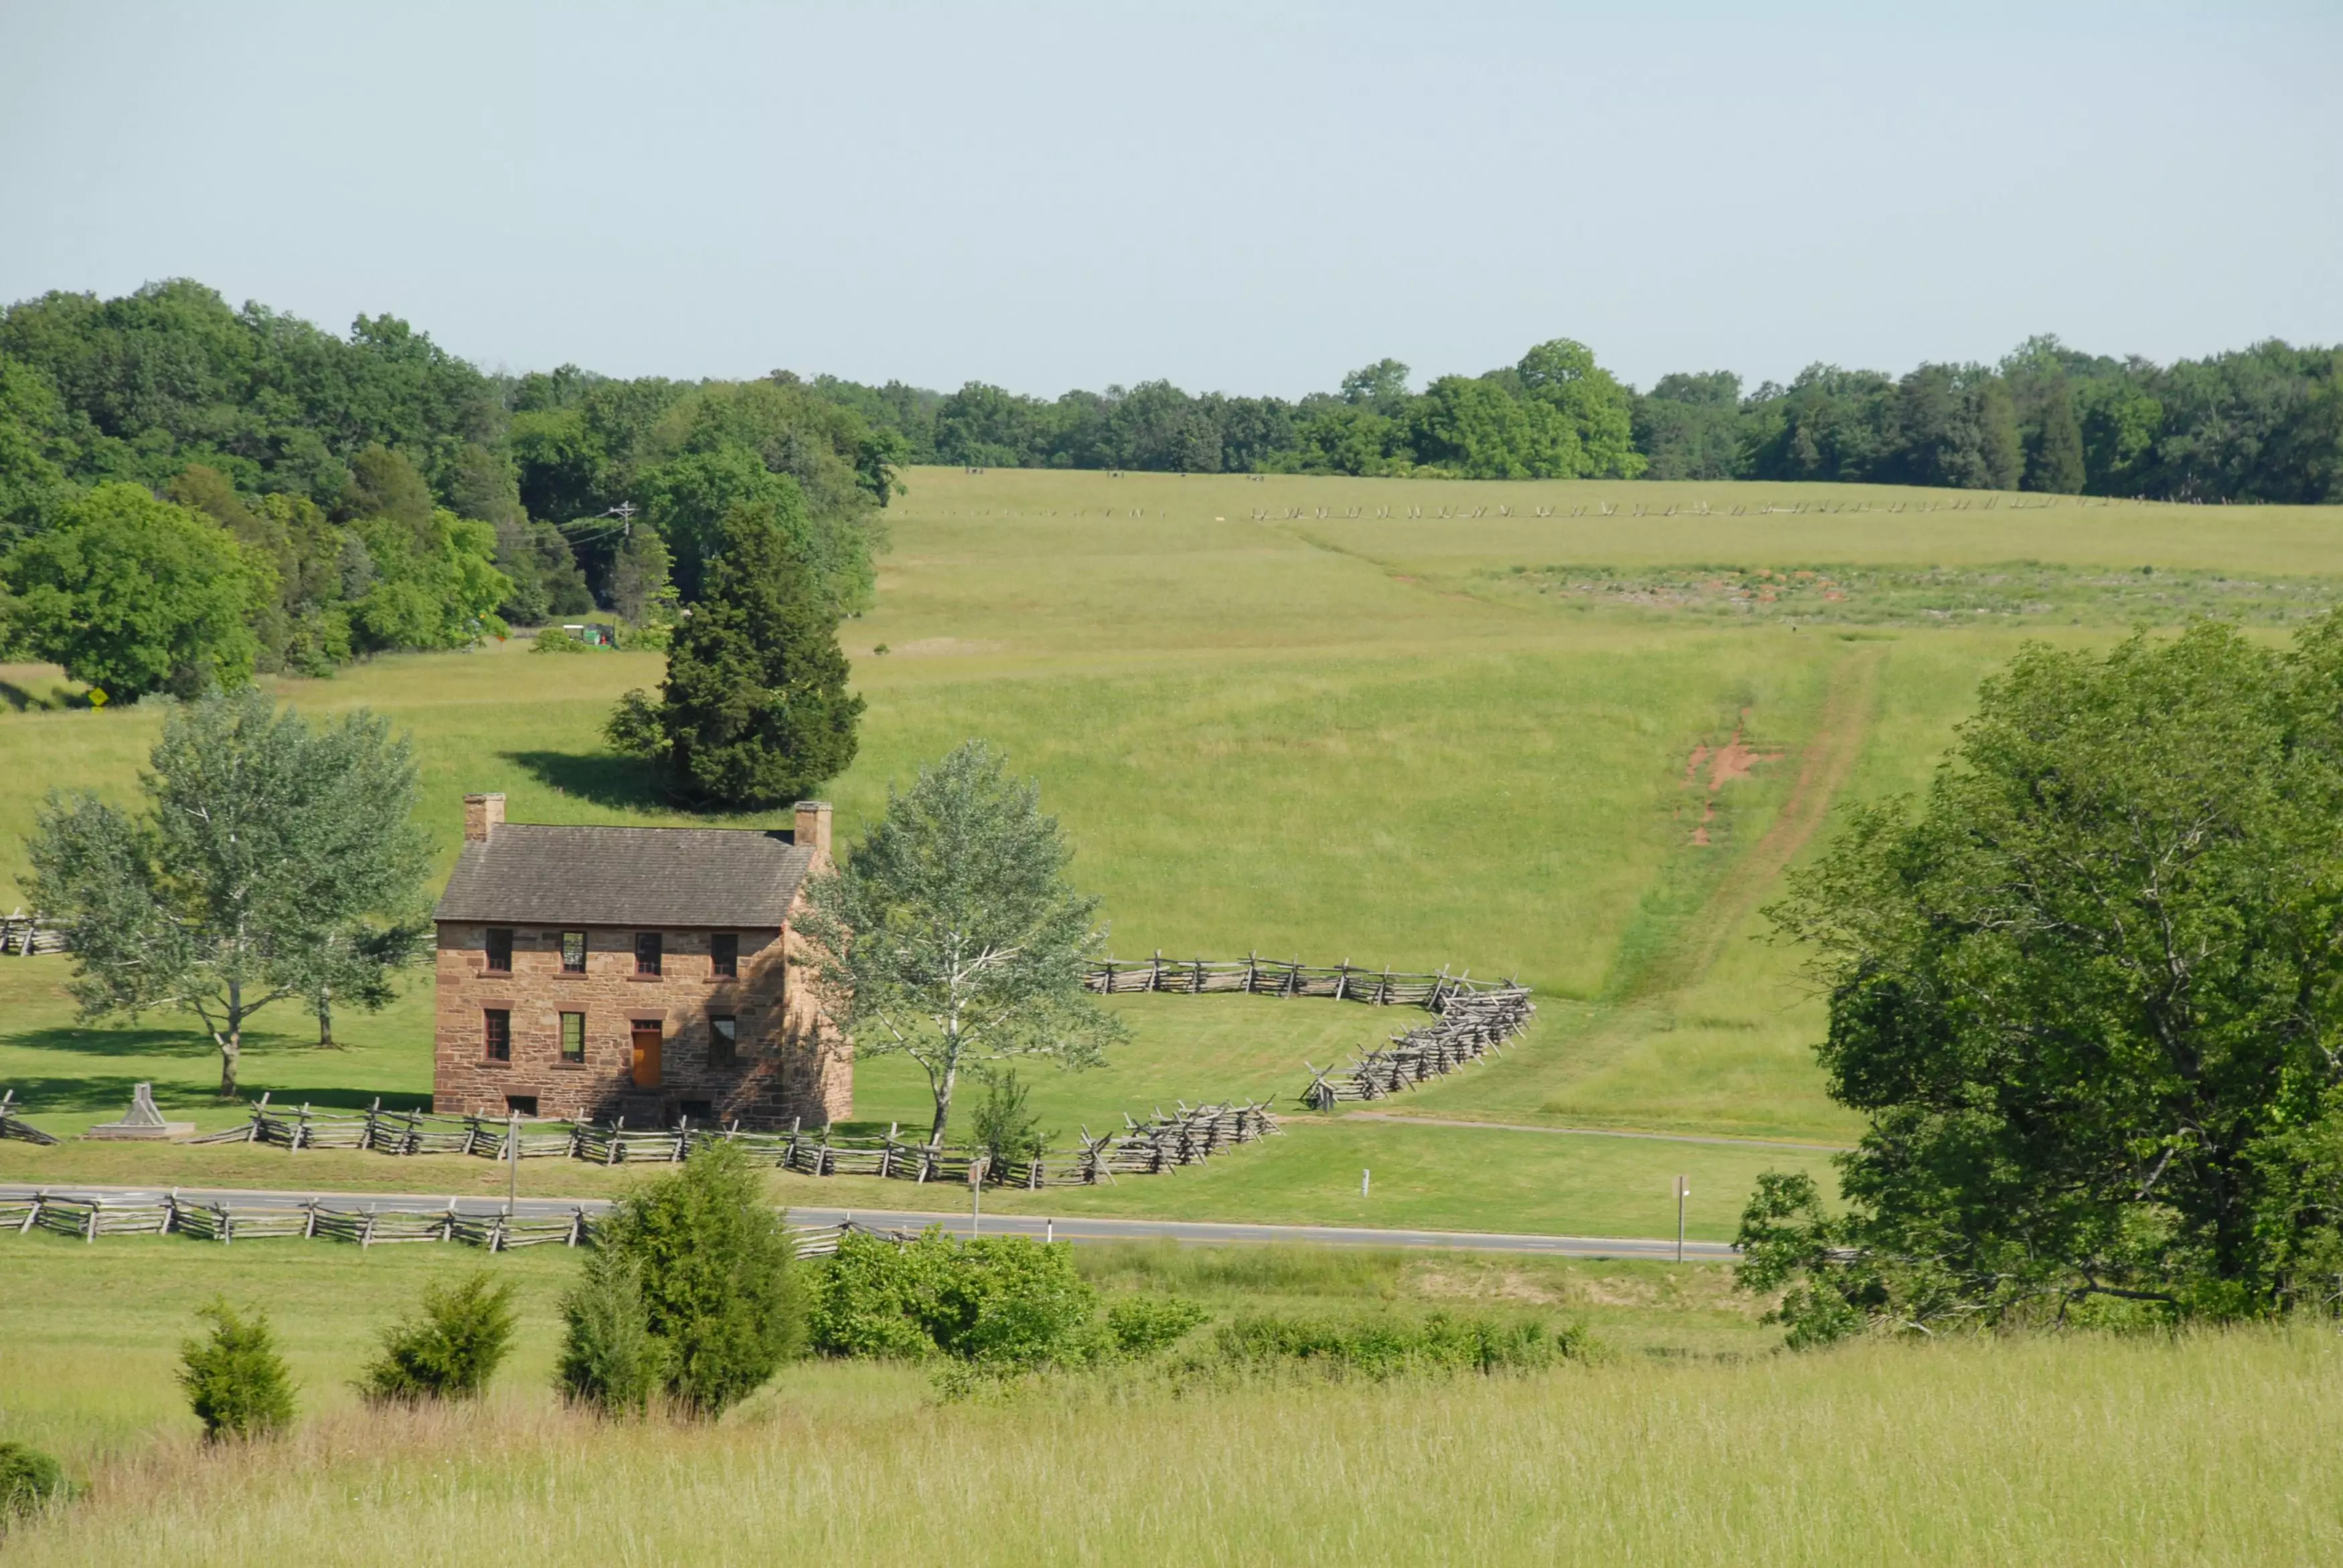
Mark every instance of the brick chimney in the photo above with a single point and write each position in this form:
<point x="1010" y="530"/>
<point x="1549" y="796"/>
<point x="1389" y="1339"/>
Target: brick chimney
<point x="813" y="827"/>
<point x="482" y="814"/>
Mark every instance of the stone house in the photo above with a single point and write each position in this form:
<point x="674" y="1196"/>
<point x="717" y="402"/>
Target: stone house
<point x="649" y="972"/>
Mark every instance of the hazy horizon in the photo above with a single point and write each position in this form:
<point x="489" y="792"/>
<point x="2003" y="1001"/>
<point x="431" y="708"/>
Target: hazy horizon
<point x="1049" y="196"/>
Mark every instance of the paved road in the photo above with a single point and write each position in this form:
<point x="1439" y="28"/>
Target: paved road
<point x="1068" y="1229"/>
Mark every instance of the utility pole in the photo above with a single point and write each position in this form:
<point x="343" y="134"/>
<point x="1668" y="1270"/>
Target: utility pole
<point x="1684" y="1191"/>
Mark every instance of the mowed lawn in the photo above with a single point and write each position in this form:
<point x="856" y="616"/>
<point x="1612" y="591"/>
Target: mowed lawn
<point x="1271" y="726"/>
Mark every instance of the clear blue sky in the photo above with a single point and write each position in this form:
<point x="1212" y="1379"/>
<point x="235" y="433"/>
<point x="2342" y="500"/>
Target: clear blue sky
<point x="1248" y="198"/>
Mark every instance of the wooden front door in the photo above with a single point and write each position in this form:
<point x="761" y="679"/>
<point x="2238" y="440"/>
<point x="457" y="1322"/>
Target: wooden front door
<point x="647" y="1041"/>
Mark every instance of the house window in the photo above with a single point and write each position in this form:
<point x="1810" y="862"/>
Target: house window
<point x="647" y="952"/>
<point x="573" y="1037"/>
<point x="698" y="1110"/>
<point x="500" y="951"/>
<point x="723" y="1039"/>
<point x="724" y="955"/>
<point x="497" y="1034"/>
<point x="573" y="953"/>
<point x="520" y="1104"/>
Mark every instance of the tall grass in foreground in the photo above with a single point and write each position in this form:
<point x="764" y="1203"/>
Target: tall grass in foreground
<point x="2215" y="1449"/>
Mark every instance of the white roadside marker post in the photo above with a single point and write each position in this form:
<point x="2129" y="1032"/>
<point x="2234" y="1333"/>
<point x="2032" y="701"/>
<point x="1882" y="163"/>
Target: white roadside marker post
<point x="1684" y="1191"/>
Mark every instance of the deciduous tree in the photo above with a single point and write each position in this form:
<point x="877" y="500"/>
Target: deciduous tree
<point x="951" y="935"/>
<point x="134" y="595"/>
<point x="2090" y="999"/>
<point x="273" y="860"/>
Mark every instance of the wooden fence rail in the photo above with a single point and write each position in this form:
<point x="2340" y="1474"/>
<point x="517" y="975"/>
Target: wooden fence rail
<point x="27" y="935"/>
<point x="368" y="1225"/>
<point x="15" y="1126"/>
<point x="1473" y="1017"/>
<point x="1469" y="1027"/>
<point x="1253" y="975"/>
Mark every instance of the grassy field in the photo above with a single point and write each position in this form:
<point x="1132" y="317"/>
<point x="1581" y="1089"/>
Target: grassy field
<point x="1684" y="1445"/>
<point x="1285" y="715"/>
<point x="1582" y="748"/>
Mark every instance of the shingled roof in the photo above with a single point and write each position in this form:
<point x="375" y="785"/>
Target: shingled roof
<point x="537" y="874"/>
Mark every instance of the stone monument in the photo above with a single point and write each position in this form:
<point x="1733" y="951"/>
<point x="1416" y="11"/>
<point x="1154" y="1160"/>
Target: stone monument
<point x="142" y="1121"/>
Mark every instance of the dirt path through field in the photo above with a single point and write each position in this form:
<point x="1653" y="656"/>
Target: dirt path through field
<point x="1824" y="764"/>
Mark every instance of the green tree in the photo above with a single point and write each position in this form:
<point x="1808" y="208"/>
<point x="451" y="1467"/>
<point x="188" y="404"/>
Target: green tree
<point x="1382" y="386"/>
<point x="1599" y="412"/>
<point x="237" y="1383"/>
<point x="755" y="709"/>
<point x="609" y="1358"/>
<point x="449" y="1348"/>
<point x="2087" y="998"/>
<point x="134" y="595"/>
<point x="1476" y="430"/>
<point x="2055" y="463"/>
<point x="951" y="936"/>
<point x="686" y="502"/>
<point x="435" y="585"/>
<point x="1006" y="1127"/>
<point x="718" y="1282"/>
<point x="384" y="485"/>
<point x="264" y="842"/>
<point x="33" y="452"/>
<point x="639" y="590"/>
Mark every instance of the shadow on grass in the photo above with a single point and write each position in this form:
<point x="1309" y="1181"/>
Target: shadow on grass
<point x="284" y="1066"/>
<point x="110" y="1093"/>
<point x="598" y="777"/>
<point x="178" y="1044"/>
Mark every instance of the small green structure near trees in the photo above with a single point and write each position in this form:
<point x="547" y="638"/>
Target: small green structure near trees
<point x="2090" y="996"/>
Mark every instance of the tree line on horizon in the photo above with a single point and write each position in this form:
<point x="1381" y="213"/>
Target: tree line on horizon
<point x="310" y="498"/>
<point x="2259" y="424"/>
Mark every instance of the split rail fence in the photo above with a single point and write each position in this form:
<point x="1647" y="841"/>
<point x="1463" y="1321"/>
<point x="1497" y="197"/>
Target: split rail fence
<point x="1473" y="1018"/>
<point x="26" y="935"/>
<point x="366" y="1224"/>
<point x="1164" y="1142"/>
<point x="1470" y="1019"/>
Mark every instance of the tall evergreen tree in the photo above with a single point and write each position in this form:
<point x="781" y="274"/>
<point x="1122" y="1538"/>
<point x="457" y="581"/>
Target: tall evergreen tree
<point x="2056" y="463"/>
<point x="755" y="710"/>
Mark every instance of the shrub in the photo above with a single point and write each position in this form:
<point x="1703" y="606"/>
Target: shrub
<point x="1005" y="1303"/>
<point x="1006" y="1127"/>
<point x="237" y="1383"/>
<point x="553" y="640"/>
<point x="1381" y="1348"/>
<point x="609" y="1358"/>
<point x="1141" y="1325"/>
<point x="449" y="1350"/>
<point x="718" y="1278"/>
<point x="29" y="1480"/>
